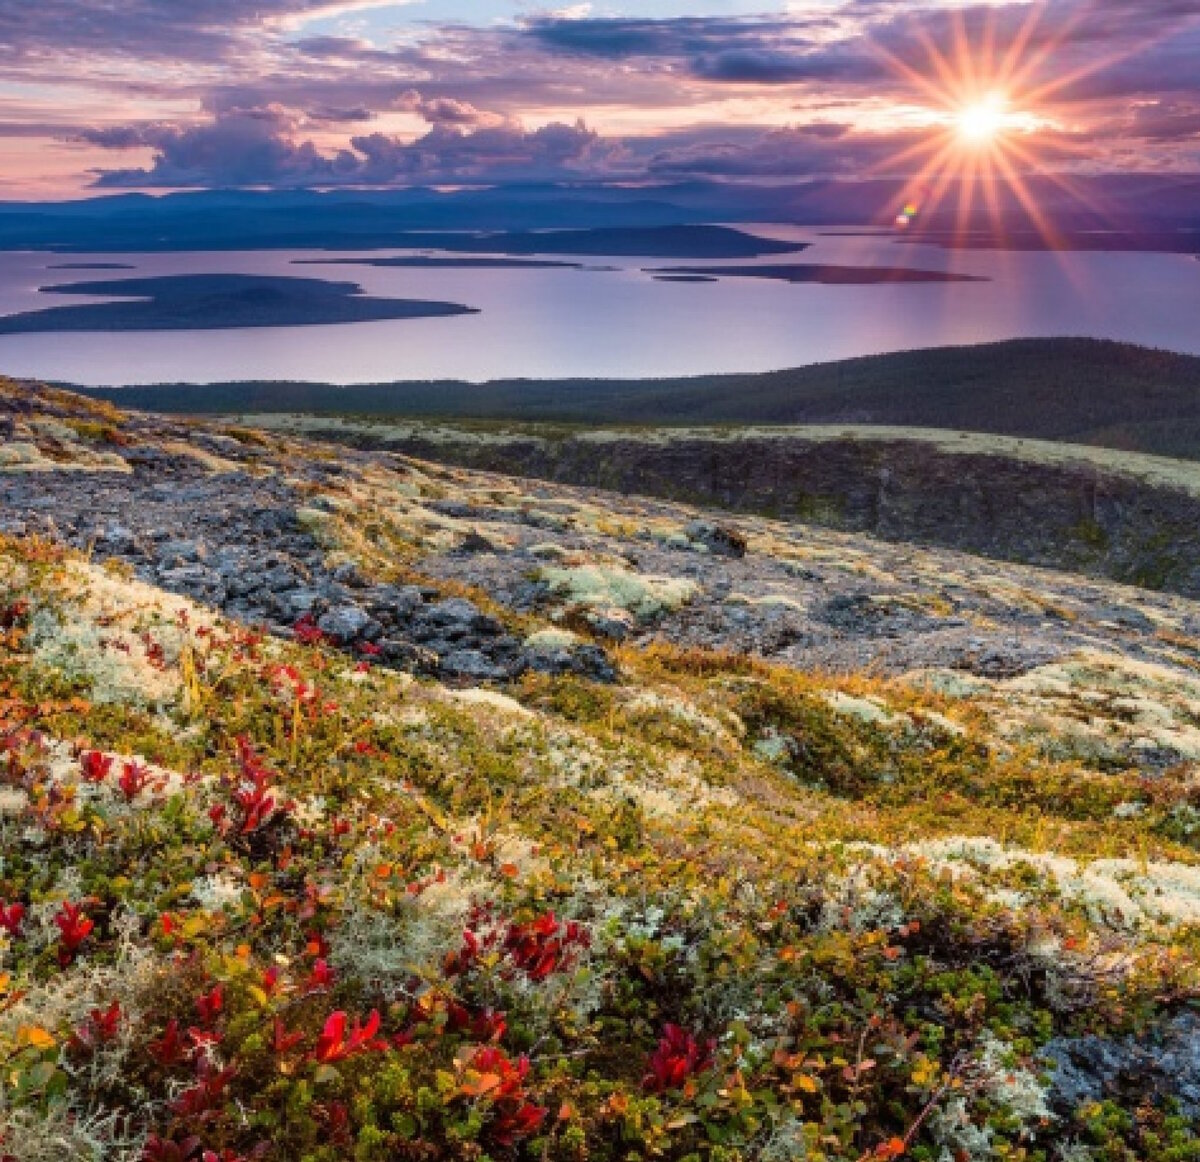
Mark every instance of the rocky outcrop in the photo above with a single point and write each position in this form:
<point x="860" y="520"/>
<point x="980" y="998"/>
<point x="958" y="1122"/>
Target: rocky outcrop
<point x="1070" y="515"/>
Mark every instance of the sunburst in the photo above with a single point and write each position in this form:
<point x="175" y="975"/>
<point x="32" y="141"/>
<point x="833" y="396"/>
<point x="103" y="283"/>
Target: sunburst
<point x="992" y="119"/>
<point x="982" y="123"/>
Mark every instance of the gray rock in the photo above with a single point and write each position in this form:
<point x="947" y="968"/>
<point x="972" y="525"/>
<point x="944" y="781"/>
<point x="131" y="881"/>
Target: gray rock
<point x="475" y="542"/>
<point x="181" y="552"/>
<point x="457" y="615"/>
<point x="302" y="601"/>
<point x="117" y="538"/>
<point x="452" y="508"/>
<point x="345" y="622"/>
<point x="719" y="540"/>
<point x="453" y="611"/>
<point x="587" y="661"/>
<point x="614" y="624"/>
<point x="1165" y="1064"/>
<point x="189" y="577"/>
<point x="471" y="664"/>
<point x="400" y="602"/>
<point x="407" y="655"/>
<point x="348" y="574"/>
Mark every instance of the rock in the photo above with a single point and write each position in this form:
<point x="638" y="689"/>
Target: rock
<point x="348" y="574"/>
<point x="453" y="611"/>
<point x="471" y="664"/>
<point x="475" y="542"/>
<point x="719" y="540"/>
<point x="452" y="508"/>
<point x="189" y="577"/>
<point x="221" y="444"/>
<point x="585" y="660"/>
<point x="117" y="538"/>
<point x="1167" y="1062"/>
<point x="407" y="655"/>
<point x="280" y="578"/>
<point x="611" y="622"/>
<point x="1124" y="617"/>
<point x="456" y="617"/>
<point x="394" y="602"/>
<point x="345" y="623"/>
<point x="181" y="552"/>
<point x="849" y="611"/>
<point x="1002" y="662"/>
<point x="302" y="601"/>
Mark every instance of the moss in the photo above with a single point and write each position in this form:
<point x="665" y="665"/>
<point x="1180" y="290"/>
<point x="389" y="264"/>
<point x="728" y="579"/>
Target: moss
<point x="600" y="586"/>
<point x="1090" y="533"/>
<point x="722" y="911"/>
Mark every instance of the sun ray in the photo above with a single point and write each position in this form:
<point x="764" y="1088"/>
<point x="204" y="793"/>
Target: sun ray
<point x="993" y="86"/>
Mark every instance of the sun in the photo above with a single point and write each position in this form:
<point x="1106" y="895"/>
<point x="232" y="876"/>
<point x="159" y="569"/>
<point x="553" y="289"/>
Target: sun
<point x="989" y="102"/>
<point x="981" y="123"/>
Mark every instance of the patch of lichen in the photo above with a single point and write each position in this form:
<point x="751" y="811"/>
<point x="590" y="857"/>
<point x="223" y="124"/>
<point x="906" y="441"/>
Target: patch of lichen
<point x="756" y="856"/>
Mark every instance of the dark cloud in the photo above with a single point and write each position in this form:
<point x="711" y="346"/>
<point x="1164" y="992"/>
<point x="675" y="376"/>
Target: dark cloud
<point x="622" y="38"/>
<point x="445" y="110"/>
<point x="137" y="29"/>
<point x="259" y="149"/>
<point x="1090" y="48"/>
<point x="340" y="116"/>
<point x="824" y="150"/>
<point x="246" y="148"/>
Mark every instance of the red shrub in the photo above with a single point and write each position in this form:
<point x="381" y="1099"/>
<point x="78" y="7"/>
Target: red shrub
<point x="677" y="1057"/>
<point x="74" y="928"/>
<point x="11" y="918"/>
<point x="336" y="1043"/>
<point x="95" y="766"/>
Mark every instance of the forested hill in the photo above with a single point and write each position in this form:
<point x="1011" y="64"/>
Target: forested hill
<point x="1082" y="390"/>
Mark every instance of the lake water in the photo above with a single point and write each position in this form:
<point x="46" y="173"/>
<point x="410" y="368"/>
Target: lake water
<point x="618" y="322"/>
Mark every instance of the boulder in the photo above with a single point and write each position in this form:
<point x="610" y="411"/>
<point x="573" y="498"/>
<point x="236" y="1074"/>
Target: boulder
<point x="472" y="664"/>
<point x="720" y="540"/>
<point x="346" y="623"/>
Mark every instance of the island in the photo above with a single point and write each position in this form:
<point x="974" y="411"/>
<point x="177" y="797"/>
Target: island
<point x="436" y="262"/>
<point x="813" y="273"/>
<point x="623" y="242"/>
<point x="92" y="266"/>
<point x="207" y="302"/>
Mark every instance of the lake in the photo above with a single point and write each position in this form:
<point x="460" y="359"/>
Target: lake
<point x="618" y="321"/>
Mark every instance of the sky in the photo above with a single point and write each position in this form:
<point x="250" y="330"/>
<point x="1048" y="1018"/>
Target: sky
<point x="110" y="95"/>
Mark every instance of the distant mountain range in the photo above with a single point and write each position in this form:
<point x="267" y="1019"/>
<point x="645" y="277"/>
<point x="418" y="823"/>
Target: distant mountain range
<point x="1156" y="211"/>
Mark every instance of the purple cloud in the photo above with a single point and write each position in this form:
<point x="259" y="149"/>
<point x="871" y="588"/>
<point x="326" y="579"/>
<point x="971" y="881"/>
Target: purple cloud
<point x="257" y="149"/>
<point x="275" y="106"/>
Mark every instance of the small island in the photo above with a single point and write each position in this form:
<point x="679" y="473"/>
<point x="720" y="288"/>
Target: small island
<point x="621" y="242"/>
<point x="814" y="273"/>
<point x="436" y="262"/>
<point x="92" y="266"/>
<point x="207" y="302"/>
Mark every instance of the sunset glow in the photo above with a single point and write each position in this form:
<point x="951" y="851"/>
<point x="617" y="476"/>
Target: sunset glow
<point x="294" y="93"/>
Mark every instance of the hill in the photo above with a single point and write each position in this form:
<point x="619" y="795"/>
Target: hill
<point x="360" y="807"/>
<point x="1083" y="391"/>
<point x="1122" y="515"/>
